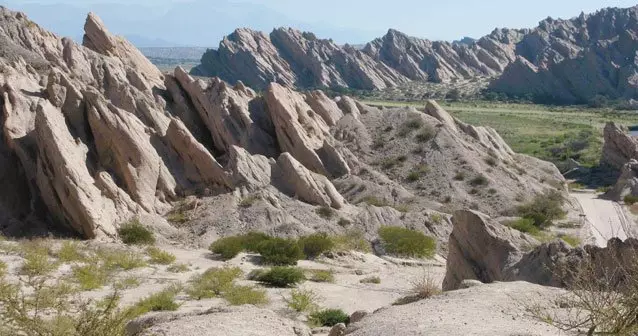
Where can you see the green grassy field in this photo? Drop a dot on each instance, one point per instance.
(548, 132)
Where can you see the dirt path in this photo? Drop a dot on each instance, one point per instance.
(606, 218)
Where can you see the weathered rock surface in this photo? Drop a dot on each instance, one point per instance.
(491, 309)
(481, 249)
(573, 61)
(237, 321)
(619, 147)
(627, 183)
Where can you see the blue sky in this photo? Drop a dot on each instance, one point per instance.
(205, 22)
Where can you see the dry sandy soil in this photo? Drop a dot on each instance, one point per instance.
(605, 219)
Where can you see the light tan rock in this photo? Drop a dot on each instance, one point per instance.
(253, 171)
(294, 178)
(619, 146)
(324, 106)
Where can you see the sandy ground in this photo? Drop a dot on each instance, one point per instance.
(606, 218)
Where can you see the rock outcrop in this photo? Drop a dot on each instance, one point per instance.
(619, 147)
(481, 249)
(574, 61)
(627, 183)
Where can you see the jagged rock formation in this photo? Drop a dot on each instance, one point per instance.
(292, 58)
(481, 249)
(619, 146)
(627, 183)
(95, 135)
(573, 61)
(563, 61)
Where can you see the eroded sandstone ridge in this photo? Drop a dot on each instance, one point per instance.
(565, 61)
(94, 135)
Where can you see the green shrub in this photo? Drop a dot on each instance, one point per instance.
(571, 240)
(302, 300)
(325, 212)
(405, 242)
(70, 252)
(228, 247)
(91, 276)
(280, 252)
(315, 244)
(161, 301)
(343, 222)
(374, 201)
(119, 259)
(524, 225)
(242, 295)
(160, 257)
(282, 277)
(127, 283)
(630, 199)
(543, 209)
(329, 317)
(251, 241)
(178, 268)
(321, 275)
(372, 280)
(37, 263)
(352, 240)
(479, 180)
(178, 217)
(491, 161)
(409, 126)
(134, 233)
(460, 176)
(212, 283)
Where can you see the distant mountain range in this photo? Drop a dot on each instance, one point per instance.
(565, 61)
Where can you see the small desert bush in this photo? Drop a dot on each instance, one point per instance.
(251, 240)
(417, 173)
(630, 199)
(409, 126)
(280, 252)
(352, 240)
(491, 161)
(178, 268)
(37, 263)
(405, 242)
(423, 288)
(303, 300)
(479, 180)
(159, 256)
(70, 252)
(426, 134)
(212, 283)
(160, 301)
(120, 259)
(227, 247)
(90, 276)
(127, 283)
(315, 244)
(3, 269)
(543, 209)
(571, 240)
(329, 317)
(134, 233)
(249, 201)
(343, 222)
(524, 225)
(374, 201)
(372, 280)
(320, 275)
(436, 218)
(325, 212)
(282, 277)
(242, 295)
(460, 176)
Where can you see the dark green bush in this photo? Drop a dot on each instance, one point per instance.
(315, 244)
(282, 277)
(228, 247)
(280, 252)
(329, 317)
(544, 209)
(134, 233)
(479, 180)
(325, 212)
(251, 241)
(630, 199)
(405, 242)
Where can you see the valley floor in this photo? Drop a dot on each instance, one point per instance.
(606, 219)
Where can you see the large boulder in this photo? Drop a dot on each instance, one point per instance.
(619, 147)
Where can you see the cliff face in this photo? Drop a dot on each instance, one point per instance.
(572, 61)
